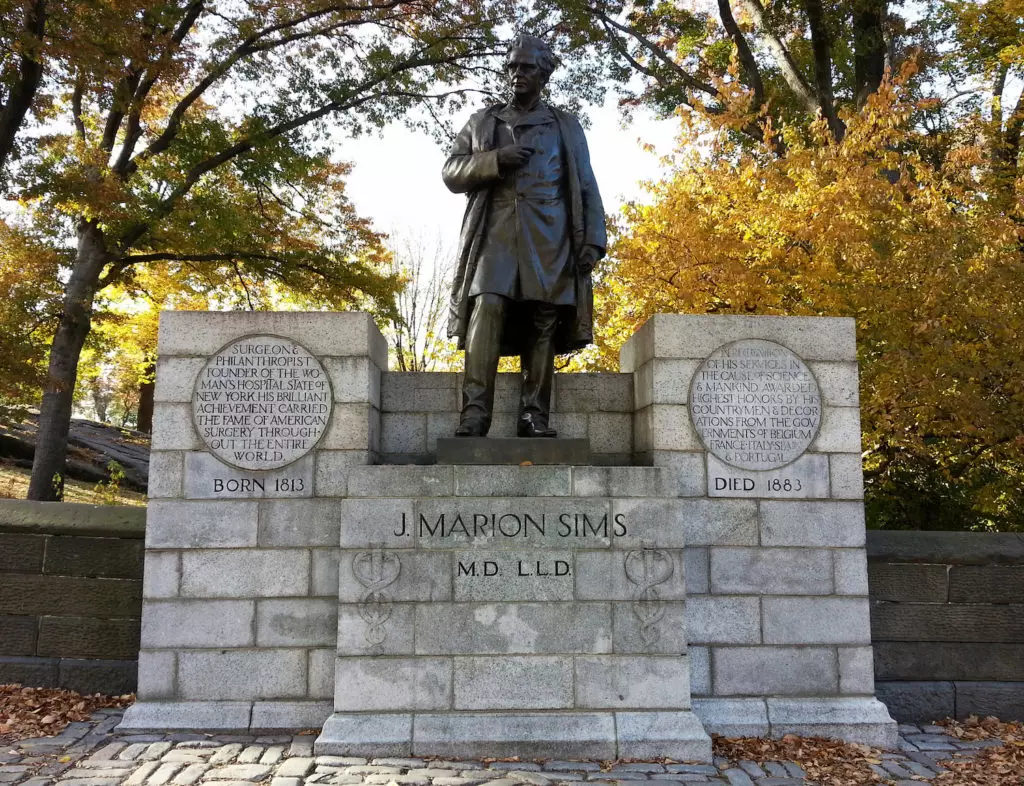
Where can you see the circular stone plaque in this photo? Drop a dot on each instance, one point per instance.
(261, 402)
(755, 404)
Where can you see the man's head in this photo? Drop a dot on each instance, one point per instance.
(529, 65)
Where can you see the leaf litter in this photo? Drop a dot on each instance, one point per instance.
(46, 712)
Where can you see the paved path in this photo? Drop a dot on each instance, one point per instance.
(92, 754)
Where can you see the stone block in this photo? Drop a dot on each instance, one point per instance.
(837, 382)
(700, 670)
(805, 478)
(664, 427)
(416, 391)
(512, 481)
(936, 660)
(1001, 699)
(354, 379)
(655, 735)
(816, 621)
(958, 548)
(723, 619)
(166, 470)
(698, 335)
(512, 628)
(368, 521)
(325, 572)
(846, 473)
(401, 481)
(917, 701)
(172, 428)
(118, 558)
(157, 674)
(42, 672)
(949, 622)
(245, 573)
(733, 717)
(306, 522)
(89, 676)
(21, 553)
(381, 735)
(611, 432)
(908, 582)
(233, 674)
(768, 571)
(392, 684)
(635, 632)
(332, 468)
(321, 674)
(288, 716)
(783, 671)
(197, 623)
(605, 575)
(625, 482)
(575, 735)
(200, 525)
(521, 575)
(330, 333)
(593, 392)
(856, 671)
(698, 571)
(980, 583)
(573, 425)
(863, 720)
(688, 467)
(511, 451)
(419, 575)
(513, 683)
(353, 427)
(361, 634)
(72, 596)
(18, 635)
(688, 522)
(439, 425)
(664, 381)
(208, 478)
(403, 433)
(839, 431)
(186, 715)
(176, 378)
(632, 682)
(87, 637)
(306, 622)
(851, 571)
(812, 524)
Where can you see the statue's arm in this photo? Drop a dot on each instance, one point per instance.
(465, 170)
(594, 232)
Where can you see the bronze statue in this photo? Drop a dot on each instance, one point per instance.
(533, 230)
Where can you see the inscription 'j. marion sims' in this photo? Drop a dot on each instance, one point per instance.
(755, 404)
(261, 402)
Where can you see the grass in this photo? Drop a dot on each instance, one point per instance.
(14, 485)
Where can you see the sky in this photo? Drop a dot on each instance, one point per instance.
(396, 178)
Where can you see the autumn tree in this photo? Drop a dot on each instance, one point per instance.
(206, 117)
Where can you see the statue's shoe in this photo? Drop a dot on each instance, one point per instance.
(534, 427)
(471, 428)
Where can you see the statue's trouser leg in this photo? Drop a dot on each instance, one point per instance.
(483, 348)
(538, 363)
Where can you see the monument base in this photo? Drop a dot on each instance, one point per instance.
(512, 450)
(677, 735)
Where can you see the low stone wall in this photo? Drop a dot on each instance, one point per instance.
(70, 595)
(947, 623)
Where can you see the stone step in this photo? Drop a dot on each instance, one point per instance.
(512, 450)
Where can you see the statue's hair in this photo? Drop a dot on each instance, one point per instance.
(546, 60)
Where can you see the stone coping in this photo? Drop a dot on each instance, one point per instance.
(72, 518)
(955, 548)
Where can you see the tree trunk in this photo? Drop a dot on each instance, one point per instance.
(47, 481)
(144, 419)
(30, 74)
(869, 47)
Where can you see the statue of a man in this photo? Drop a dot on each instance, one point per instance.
(533, 230)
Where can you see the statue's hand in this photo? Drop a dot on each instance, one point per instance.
(587, 259)
(513, 156)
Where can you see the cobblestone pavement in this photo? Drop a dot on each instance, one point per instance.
(92, 754)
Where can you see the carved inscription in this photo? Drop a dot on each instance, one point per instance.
(262, 402)
(646, 568)
(376, 570)
(755, 404)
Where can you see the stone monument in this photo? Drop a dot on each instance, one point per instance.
(308, 563)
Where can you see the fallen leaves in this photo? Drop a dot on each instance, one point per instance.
(44, 712)
(826, 762)
(997, 766)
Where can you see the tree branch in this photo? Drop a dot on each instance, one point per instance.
(821, 45)
(30, 74)
(751, 72)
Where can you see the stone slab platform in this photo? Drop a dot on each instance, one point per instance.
(573, 735)
(512, 450)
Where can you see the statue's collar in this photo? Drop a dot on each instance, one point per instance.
(540, 114)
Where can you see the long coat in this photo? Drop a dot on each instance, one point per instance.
(472, 168)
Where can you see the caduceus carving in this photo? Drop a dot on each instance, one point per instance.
(376, 569)
(646, 568)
